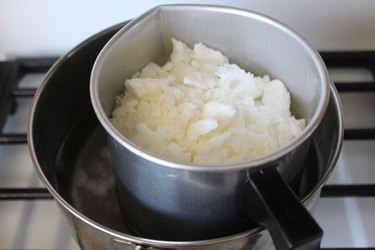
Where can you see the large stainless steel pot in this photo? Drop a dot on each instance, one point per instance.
(68, 149)
(193, 202)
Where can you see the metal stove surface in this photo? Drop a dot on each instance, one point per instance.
(29, 219)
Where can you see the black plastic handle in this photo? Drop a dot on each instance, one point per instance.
(276, 207)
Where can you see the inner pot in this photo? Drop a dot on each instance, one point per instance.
(69, 151)
(195, 202)
(192, 202)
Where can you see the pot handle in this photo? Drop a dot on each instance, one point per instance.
(277, 208)
(119, 244)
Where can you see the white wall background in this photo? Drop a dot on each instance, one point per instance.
(51, 27)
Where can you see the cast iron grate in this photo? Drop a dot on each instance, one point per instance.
(11, 72)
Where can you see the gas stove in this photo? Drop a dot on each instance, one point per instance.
(30, 218)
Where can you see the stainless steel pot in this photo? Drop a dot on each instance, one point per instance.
(69, 152)
(193, 202)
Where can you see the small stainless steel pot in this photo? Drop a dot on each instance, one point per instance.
(191, 202)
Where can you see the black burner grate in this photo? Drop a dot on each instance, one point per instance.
(342, 60)
(11, 72)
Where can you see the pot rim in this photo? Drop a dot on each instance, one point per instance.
(163, 161)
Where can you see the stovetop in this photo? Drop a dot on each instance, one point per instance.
(30, 219)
